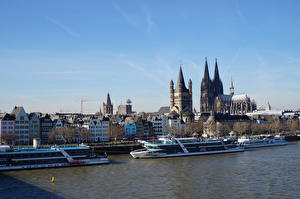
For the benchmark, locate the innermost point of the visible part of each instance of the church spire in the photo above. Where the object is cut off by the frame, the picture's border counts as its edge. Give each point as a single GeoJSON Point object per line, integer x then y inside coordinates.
{"type": "Point", "coordinates": [180, 81]}
{"type": "Point", "coordinates": [206, 72]}
{"type": "Point", "coordinates": [180, 76]}
{"type": "Point", "coordinates": [216, 77]}
{"type": "Point", "coordinates": [108, 101]}
{"type": "Point", "coordinates": [231, 87]}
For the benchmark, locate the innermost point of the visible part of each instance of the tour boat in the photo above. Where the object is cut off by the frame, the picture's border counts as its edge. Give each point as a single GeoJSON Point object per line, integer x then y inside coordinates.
{"type": "Point", "coordinates": [177, 147]}
{"type": "Point", "coordinates": [247, 142]}
{"type": "Point", "coordinates": [55, 156]}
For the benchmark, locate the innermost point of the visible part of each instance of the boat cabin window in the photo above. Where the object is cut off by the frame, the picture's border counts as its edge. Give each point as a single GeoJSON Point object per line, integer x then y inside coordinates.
{"type": "Point", "coordinates": [152, 147]}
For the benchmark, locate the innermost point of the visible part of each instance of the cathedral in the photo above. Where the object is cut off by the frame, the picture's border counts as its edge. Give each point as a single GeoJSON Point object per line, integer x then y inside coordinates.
{"type": "Point", "coordinates": [212, 97]}
{"type": "Point", "coordinates": [210, 89]}
{"type": "Point", "coordinates": [181, 99]}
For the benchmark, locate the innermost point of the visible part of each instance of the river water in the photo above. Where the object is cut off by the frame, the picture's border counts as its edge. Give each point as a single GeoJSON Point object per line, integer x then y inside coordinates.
{"type": "Point", "coordinates": [259, 173]}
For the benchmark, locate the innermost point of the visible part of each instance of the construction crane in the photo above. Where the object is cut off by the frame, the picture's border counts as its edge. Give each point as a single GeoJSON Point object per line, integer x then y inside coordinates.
{"type": "Point", "coordinates": [82, 101]}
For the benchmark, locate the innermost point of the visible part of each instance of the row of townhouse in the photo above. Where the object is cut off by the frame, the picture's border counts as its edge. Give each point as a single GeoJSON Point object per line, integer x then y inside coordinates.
{"type": "Point", "coordinates": [136, 127]}
{"type": "Point", "coordinates": [153, 126]}
{"type": "Point", "coordinates": [163, 125]}
{"type": "Point", "coordinates": [24, 127]}
{"type": "Point", "coordinates": [99, 129]}
{"type": "Point", "coordinates": [18, 127]}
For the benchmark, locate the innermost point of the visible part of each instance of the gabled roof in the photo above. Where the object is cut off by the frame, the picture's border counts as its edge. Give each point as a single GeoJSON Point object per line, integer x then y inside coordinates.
{"type": "Point", "coordinates": [240, 97]}
{"type": "Point", "coordinates": [7, 117]}
{"type": "Point", "coordinates": [31, 115]}
{"type": "Point", "coordinates": [226, 97]}
{"type": "Point", "coordinates": [16, 110]}
{"type": "Point", "coordinates": [228, 117]}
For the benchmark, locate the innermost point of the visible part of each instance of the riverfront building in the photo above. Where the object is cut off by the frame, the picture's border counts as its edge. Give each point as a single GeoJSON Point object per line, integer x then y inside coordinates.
{"type": "Point", "coordinates": [98, 129]}
{"type": "Point", "coordinates": [21, 125]}
{"type": "Point", "coordinates": [34, 126]}
{"type": "Point", "coordinates": [7, 128]}
{"type": "Point", "coordinates": [46, 124]}
{"type": "Point", "coordinates": [130, 129]}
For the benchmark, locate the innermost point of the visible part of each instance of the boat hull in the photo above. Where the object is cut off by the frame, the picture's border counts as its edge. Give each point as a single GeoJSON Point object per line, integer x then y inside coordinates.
{"type": "Point", "coordinates": [86, 162]}
{"type": "Point", "coordinates": [250, 146]}
{"type": "Point", "coordinates": [141, 155]}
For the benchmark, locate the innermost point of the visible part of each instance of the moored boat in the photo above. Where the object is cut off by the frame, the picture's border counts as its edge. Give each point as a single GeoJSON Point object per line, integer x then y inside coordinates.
{"type": "Point", "coordinates": [261, 142]}
{"type": "Point", "coordinates": [178, 147]}
{"type": "Point", "coordinates": [55, 156]}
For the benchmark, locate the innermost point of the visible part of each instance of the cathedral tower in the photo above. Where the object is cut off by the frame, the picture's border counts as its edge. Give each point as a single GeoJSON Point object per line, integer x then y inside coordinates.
{"type": "Point", "coordinates": [206, 91]}
{"type": "Point", "coordinates": [217, 83]}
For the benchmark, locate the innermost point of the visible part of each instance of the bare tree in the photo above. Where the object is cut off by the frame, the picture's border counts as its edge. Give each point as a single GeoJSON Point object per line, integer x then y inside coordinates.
{"type": "Point", "coordinates": [223, 129]}
{"type": "Point", "coordinates": [242, 127]}
{"type": "Point", "coordinates": [167, 130]}
{"type": "Point", "coordinates": [59, 135]}
{"type": "Point", "coordinates": [276, 126]}
{"type": "Point", "coordinates": [9, 138]}
{"type": "Point", "coordinates": [116, 131]}
{"type": "Point", "coordinates": [176, 131]}
{"type": "Point", "coordinates": [193, 128]}
{"type": "Point", "coordinates": [83, 134]}
{"type": "Point", "coordinates": [52, 136]}
{"type": "Point", "coordinates": [294, 127]}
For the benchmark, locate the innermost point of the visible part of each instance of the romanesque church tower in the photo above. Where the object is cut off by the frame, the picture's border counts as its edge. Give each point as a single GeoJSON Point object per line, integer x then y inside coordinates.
{"type": "Point", "coordinates": [108, 107]}
{"type": "Point", "coordinates": [181, 100]}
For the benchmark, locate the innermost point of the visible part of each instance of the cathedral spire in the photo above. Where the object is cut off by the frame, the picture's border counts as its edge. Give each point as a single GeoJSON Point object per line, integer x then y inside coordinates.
{"type": "Point", "coordinates": [231, 87]}
{"type": "Point", "coordinates": [206, 72]}
{"type": "Point", "coordinates": [216, 77]}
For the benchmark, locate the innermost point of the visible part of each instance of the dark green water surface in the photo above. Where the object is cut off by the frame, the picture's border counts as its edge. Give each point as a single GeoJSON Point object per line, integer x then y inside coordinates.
{"type": "Point", "coordinates": [261, 173]}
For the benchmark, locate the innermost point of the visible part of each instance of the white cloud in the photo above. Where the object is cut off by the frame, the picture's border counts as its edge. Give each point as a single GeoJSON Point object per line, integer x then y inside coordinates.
{"type": "Point", "coordinates": [63, 27]}
{"type": "Point", "coordinates": [145, 23]}
{"type": "Point", "coordinates": [131, 19]}
{"type": "Point", "coordinates": [151, 26]}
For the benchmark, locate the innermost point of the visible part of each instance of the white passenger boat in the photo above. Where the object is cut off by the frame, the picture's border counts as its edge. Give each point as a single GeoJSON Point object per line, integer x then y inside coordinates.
{"type": "Point", "coordinates": [177, 147]}
{"type": "Point", "coordinates": [56, 156]}
{"type": "Point", "coordinates": [261, 142]}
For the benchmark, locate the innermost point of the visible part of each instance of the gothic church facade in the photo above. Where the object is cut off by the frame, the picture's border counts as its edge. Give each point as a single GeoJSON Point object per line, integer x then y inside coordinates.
{"type": "Point", "coordinates": [213, 97]}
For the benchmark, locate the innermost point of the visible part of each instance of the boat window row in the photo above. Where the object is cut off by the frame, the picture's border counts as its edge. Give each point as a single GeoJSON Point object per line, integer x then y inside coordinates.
{"type": "Point", "coordinates": [31, 162]}
{"type": "Point", "coordinates": [31, 155]}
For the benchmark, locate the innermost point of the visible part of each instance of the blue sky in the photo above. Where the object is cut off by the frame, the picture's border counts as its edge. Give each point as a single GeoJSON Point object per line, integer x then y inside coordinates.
{"type": "Point", "coordinates": [55, 52]}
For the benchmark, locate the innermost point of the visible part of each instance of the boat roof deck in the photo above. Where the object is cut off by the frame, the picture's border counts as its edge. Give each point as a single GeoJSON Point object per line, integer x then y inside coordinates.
{"type": "Point", "coordinates": [53, 148]}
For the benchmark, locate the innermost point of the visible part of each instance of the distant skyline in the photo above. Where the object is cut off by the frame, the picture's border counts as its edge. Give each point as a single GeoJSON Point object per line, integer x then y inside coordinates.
{"type": "Point", "coordinates": [55, 52]}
